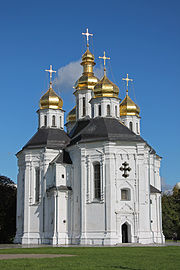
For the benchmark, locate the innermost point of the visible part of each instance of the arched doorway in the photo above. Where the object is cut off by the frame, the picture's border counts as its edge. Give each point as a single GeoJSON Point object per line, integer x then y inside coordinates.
{"type": "Point", "coordinates": [126, 233]}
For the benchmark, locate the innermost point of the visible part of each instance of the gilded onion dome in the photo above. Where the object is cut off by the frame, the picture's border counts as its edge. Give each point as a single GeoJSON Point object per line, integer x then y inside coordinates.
{"type": "Point", "coordinates": [71, 117]}
{"type": "Point", "coordinates": [87, 80]}
{"type": "Point", "coordinates": [50, 100]}
{"type": "Point", "coordinates": [128, 107]}
{"type": "Point", "coordinates": [106, 88]}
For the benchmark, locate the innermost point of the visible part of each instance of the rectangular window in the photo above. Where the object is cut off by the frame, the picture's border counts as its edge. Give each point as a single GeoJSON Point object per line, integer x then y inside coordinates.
{"type": "Point", "coordinates": [125, 195]}
{"type": "Point", "coordinates": [37, 184]}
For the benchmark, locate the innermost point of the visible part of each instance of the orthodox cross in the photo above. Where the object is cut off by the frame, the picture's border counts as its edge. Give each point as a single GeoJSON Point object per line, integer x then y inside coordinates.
{"type": "Point", "coordinates": [104, 58]}
{"type": "Point", "coordinates": [50, 72]}
{"type": "Point", "coordinates": [126, 169]}
{"type": "Point", "coordinates": [127, 82]}
{"type": "Point", "coordinates": [87, 34]}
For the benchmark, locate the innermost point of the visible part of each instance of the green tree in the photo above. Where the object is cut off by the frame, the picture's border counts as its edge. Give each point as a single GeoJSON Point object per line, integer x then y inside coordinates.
{"type": "Point", "coordinates": [7, 209]}
{"type": "Point", "coordinates": [171, 214]}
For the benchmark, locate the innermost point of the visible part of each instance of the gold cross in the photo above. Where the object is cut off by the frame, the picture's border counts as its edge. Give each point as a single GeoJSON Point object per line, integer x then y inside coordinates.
{"type": "Point", "coordinates": [50, 72]}
{"type": "Point", "coordinates": [104, 58]}
{"type": "Point", "coordinates": [127, 81]}
{"type": "Point", "coordinates": [87, 34]}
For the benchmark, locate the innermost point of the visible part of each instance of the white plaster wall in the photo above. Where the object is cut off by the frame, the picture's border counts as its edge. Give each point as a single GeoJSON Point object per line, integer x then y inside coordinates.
{"type": "Point", "coordinates": [135, 122]}
{"type": "Point", "coordinates": [101, 222]}
{"type": "Point", "coordinates": [87, 93]}
{"type": "Point", "coordinates": [59, 118]}
{"type": "Point", "coordinates": [103, 101]}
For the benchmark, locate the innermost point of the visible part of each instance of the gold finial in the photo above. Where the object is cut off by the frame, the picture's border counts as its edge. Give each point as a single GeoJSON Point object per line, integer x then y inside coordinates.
{"type": "Point", "coordinates": [127, 82]}
{"type": "Point", "coordinates": [87, 34]}
{"type": "Point", "coordinates": [50, 72]}
{"type": "Point", "coordinates": [104, 58]}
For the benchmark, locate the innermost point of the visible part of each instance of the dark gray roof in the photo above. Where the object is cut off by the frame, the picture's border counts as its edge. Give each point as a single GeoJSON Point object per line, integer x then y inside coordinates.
{"type": "Point", "coordinates": [99, 128]}
{"type": "Point", "coordinates": [154, 190]}
{"type": "Point", "coordinates": [62, 157]}
{"type": "Point", "coordinates": [52, 138]}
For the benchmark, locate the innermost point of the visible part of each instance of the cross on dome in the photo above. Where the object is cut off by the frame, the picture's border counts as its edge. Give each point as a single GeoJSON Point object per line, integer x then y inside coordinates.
{"type": "Point", "coordinates": [104, 57]}
{"type": "Point", "coordinates": [127, 79]}
{"type": "Point", "coordinates": [50, 72]}
{"type": "Point", "coordinates": [87, 34]}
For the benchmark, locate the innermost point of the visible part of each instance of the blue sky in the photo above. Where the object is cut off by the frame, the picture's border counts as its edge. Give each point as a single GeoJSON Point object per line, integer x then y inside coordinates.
{"type": "Point", "coordinates": [141, 37]}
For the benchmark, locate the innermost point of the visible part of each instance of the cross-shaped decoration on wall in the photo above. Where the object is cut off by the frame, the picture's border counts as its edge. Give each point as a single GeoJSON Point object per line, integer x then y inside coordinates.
{"type": "Point", "coordinates": [126, 169]}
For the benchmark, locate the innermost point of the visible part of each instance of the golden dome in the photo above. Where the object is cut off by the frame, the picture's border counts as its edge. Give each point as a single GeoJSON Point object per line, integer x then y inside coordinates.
{"type": "Point", "coordinates": [128, 107]}
{"type": "Point", "coordinates": [87, 80]}
{"type": "Point", "coordinates": [105, 88]}
{"type": "Point", "coordinates": [50, 100]}
{"type": "Point", "coordinates": [71, 117]}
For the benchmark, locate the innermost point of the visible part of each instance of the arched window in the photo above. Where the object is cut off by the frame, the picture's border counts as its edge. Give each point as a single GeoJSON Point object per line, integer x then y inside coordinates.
{"type": "Point", "coordinates": [99, 110]}
{"type": "Point", "coordinates": [131, 126]}
{"type": "Point", "coordinates": [45, 121]}
{"type": "Point", "coordinates": [108, 110]}
{"type": "Point", "coordinates": [97, 181]}
{"type": "Point", "coordinates": [60, 121]}
{"type": "Point", "coordinates": [53, 121]}
{"type": "Point", "coordinates": [116, 111]}
{"type": "Point", "coordinates": [84, 106]}
{"type": "Point", "coordinates": [125, 194]}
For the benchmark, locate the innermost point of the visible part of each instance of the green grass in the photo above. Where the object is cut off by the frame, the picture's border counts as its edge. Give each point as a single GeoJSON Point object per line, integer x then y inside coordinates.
{"type": "Point", "coordinates": [126, 258]}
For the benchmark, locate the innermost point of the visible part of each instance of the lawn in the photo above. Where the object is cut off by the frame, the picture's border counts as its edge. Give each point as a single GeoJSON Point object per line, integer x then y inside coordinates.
{"type": "Point", "coordinates": [130, 258]}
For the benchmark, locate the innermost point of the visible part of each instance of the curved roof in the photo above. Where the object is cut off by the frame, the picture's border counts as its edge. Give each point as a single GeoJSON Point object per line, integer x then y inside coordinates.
{"type": "Point", "coordinates": [50, 100]}
{"type": "Point", "coordinates": [129, 107]}
{"type": "Point", "coordinates": [105, 88]}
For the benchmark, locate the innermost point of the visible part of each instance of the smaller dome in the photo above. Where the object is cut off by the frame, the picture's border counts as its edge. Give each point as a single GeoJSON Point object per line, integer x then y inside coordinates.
{"type": "Point", "coordinates": [129, 107]}
{"type": "Point", "coordinates": [71, 117]}
{"type": "Point", "coordinates": [50, 100]}
{"type": "Point", "coordinates": [106, 88]}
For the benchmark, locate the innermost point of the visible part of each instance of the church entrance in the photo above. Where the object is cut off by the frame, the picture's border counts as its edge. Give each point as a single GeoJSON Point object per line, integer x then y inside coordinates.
{"type": "Point", "coordinates": [125, 233]}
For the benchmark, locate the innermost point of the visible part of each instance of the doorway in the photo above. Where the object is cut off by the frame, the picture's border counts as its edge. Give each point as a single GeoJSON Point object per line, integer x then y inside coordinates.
{"type": "Point", "coordinates": [125, 233]}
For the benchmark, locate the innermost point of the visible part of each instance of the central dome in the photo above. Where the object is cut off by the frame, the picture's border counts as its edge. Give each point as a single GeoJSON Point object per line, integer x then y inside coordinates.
{"type": "Point", "coordinates": [87, 80]}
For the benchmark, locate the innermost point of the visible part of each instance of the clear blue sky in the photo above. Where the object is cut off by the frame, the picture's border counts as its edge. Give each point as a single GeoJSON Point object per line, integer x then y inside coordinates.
{"type": "Point", "coordinates": [142, 38]}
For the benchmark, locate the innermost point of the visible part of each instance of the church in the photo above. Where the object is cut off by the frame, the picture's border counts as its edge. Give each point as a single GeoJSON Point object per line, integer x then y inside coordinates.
{"type": "Point", "coordinates": [94, 181]}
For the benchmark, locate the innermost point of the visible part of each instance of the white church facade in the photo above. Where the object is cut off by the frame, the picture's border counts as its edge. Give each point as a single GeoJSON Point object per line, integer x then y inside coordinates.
{"type": "Point", "coordinates": [96, 184]}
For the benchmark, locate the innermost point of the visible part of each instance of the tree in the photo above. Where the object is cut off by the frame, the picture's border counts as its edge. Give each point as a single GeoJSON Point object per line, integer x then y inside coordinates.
{"type": "Point", "coordinates": [171, 214]}
{"type": "Point", "coordinates": [8, 192]}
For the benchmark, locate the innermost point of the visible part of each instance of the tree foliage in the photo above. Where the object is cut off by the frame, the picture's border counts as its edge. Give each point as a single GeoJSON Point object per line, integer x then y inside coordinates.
{"type": "Point", "coordinates": [171, 214]}
{"type": "Point", "coordinates": [7, 209]}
